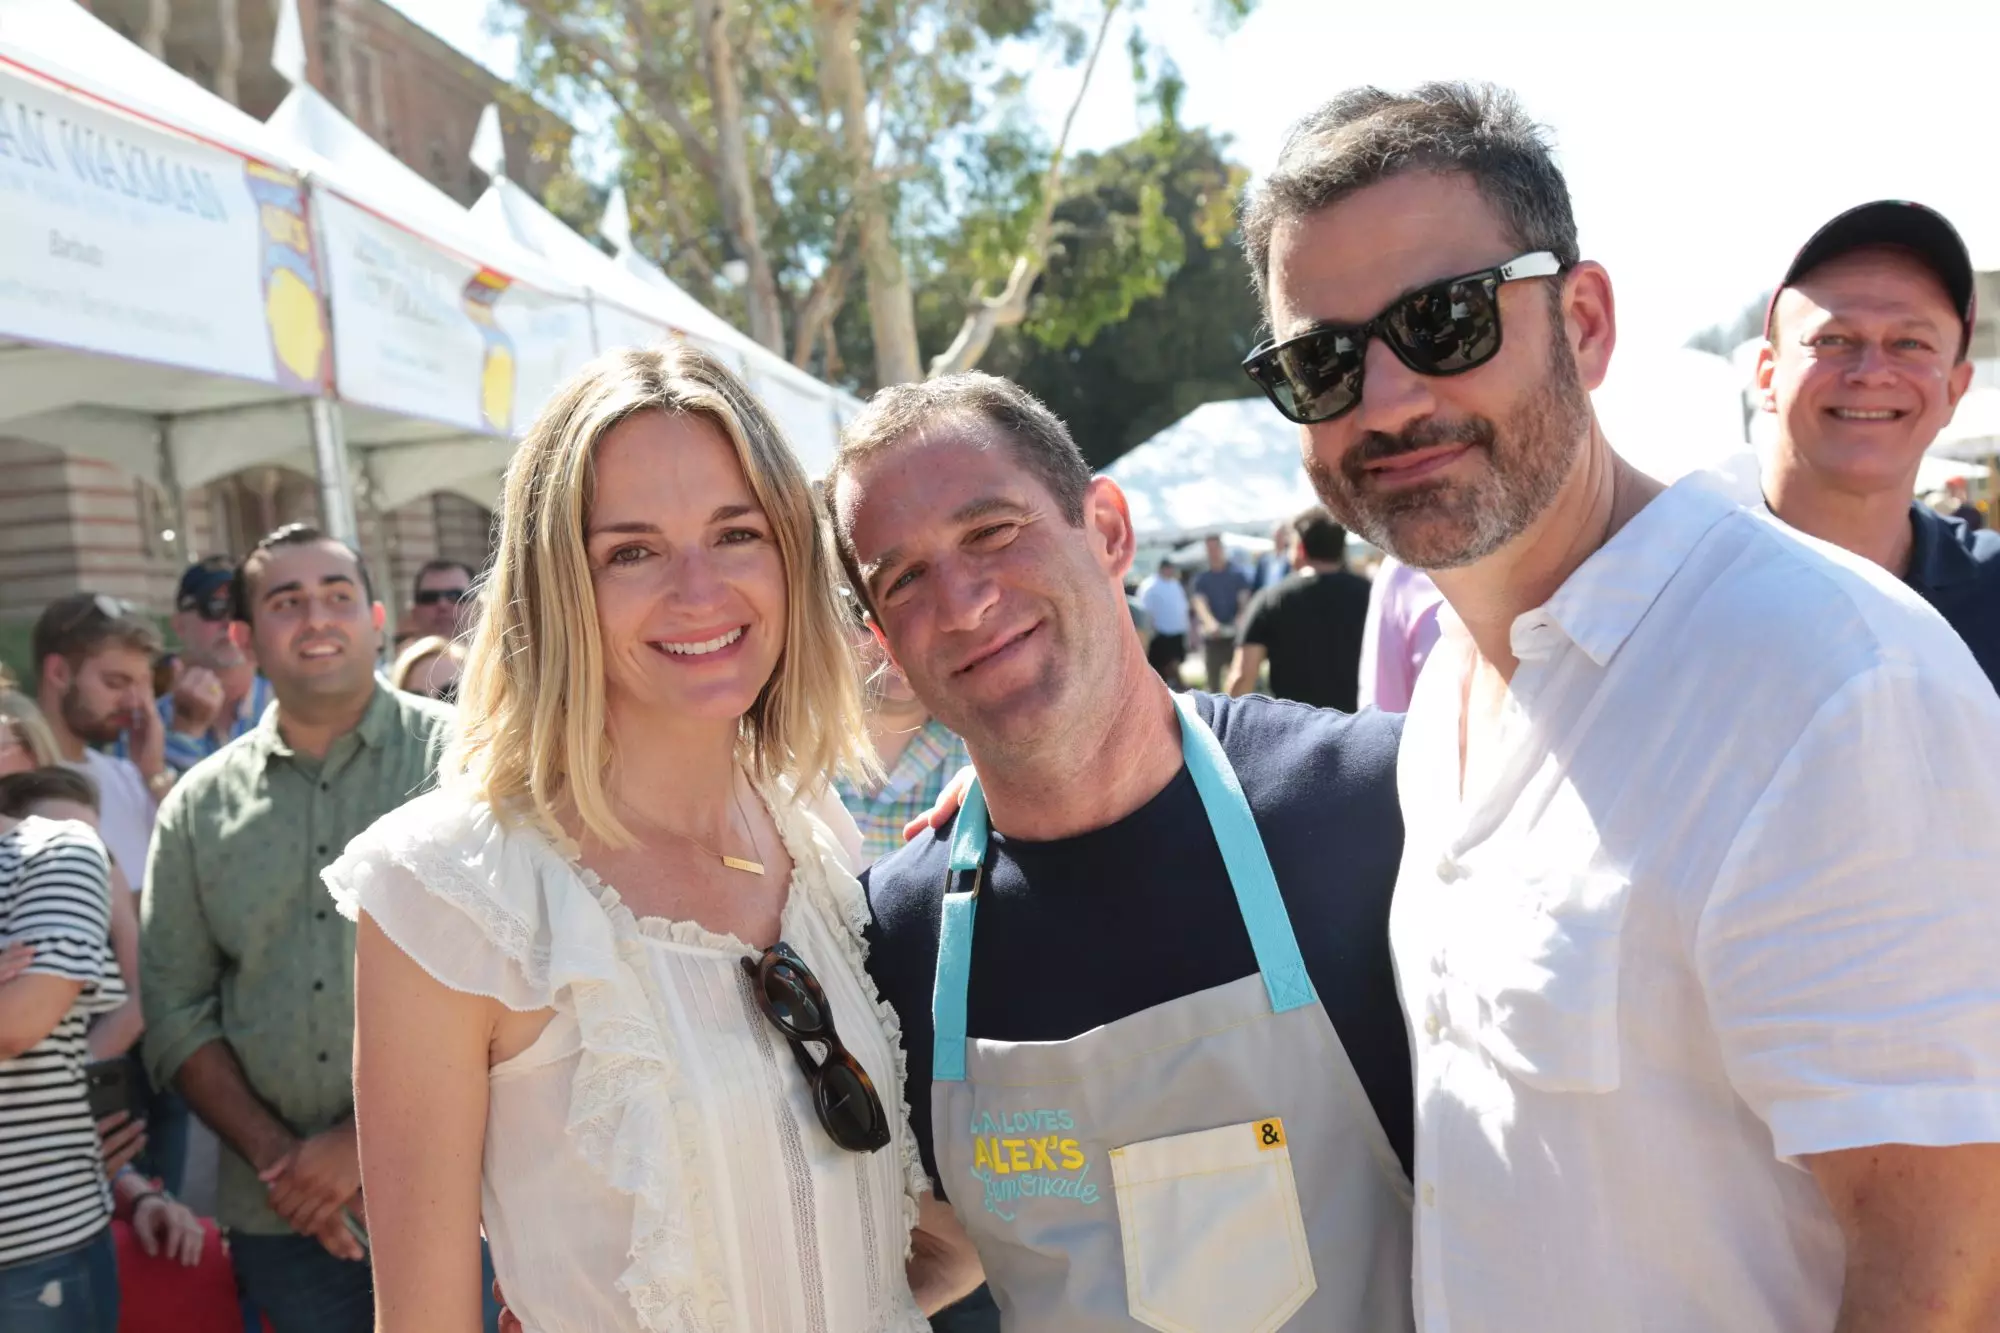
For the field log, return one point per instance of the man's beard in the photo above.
(1445, 524)
(88, 727)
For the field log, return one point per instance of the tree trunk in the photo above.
(892, 306)
(229, 61)
(991, 314)
(739, 201)
(159, 15)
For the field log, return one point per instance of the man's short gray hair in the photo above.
(1366, 136)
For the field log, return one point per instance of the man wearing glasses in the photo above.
(218, 694)
(1695, 924)
(442, 603)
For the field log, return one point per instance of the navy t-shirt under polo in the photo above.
(1084, 931)
(1957, 571)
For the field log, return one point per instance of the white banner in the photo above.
(420, 331)
(618, 327)
(122, 238)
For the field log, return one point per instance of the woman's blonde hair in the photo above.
(20, 715)
(415, 652)
(532, 718)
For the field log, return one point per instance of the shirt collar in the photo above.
(1940, 550)
(377, 722)
(1599, 605)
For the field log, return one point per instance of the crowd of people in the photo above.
(754, 902)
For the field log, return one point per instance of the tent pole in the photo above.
(336, 483)
(336, 492)
(170, 483)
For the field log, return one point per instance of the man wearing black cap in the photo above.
(218, 694)
(1864, 362)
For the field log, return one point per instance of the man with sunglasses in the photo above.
(1695, 921)
(442, 602)
(218, 695)
(1155, 1060)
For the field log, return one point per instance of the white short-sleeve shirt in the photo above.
(1726, 899)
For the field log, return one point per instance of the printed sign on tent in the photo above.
(422, 331)
(120, 238)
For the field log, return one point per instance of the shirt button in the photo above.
(322, 849)
(1430, 1191)
(322, 1060)
(320, 915)
(319, 985)
(326, 786)
(1432, 1027)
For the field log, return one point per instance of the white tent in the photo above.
(447, 338)
(159, 300)
(1236, 464)
(1974, 429)
(1231, 464)
(633, 303)
(1672, 411)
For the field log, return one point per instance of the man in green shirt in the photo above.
(247, 972)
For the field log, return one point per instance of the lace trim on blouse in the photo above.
(631, 1114)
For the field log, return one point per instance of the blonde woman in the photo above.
(610, 995)
(26, 743)
(431, 667)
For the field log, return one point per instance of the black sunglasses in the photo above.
(789, 994)
(214, 606)
(432, 596)
(1447, 328)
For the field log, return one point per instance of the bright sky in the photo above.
(1703, 143)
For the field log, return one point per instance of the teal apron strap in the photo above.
(1257, 896)
(954, 965)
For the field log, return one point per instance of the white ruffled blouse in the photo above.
(653, 1160)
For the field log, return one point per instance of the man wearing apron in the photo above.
(1156, 1064)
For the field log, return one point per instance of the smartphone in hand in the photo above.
(112, 1087)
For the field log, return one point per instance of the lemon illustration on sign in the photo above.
(292, 311)
(496, 387)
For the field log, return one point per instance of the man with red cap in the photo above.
(1864, 361)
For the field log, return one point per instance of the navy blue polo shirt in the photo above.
(1957, 571)
(1083, 931)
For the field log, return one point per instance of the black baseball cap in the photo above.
(1920, 230)
(205, 587)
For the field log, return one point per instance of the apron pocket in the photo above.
(1213, 1237)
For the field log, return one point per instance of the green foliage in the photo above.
(1172, 349)
(962, 158)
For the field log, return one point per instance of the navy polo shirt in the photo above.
(1083, 931)
(1957, 571)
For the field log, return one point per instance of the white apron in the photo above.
(1210, 1165)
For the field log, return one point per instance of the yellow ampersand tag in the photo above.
(1270, 1134)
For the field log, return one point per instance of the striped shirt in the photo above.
(54, 894)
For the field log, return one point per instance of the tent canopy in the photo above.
(144, 326)
(635, 303)
(1236, 464)
(1226, 465)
